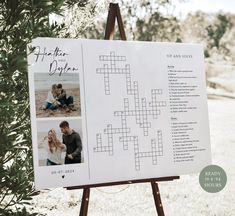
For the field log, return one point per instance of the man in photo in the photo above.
(62, 97)
(73, 143)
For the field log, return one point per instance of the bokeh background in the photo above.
(211, 23)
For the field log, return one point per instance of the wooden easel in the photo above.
(114, 12)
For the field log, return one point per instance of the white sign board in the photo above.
(109, 111)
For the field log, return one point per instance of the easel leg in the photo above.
(85, 202)
(157, 198)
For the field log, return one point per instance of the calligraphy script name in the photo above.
(41, 54)
(58, 63)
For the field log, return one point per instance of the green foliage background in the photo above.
(20, 22)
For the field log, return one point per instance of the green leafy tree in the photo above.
(194, 29)
(148, 22)
(20, 22)
(209, 29)
(216, 31)
(143, 20)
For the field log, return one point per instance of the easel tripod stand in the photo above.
(114, 13)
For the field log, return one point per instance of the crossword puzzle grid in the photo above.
(141, 112)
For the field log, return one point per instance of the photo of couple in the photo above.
(57, 96)
(55, 150)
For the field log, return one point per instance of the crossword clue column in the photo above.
(150, 109)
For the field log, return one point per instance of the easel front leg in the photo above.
(157, 198)
(85, 202)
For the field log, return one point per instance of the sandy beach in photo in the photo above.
(41, 95)
(70, 83)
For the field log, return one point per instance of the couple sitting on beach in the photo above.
(57, 98)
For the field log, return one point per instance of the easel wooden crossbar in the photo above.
(114, 13)
(154, 185)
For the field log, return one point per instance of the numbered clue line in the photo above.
(182, 88)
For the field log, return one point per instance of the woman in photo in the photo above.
(52, 100)
(56, 149)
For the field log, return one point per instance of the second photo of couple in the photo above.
(59, 145)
